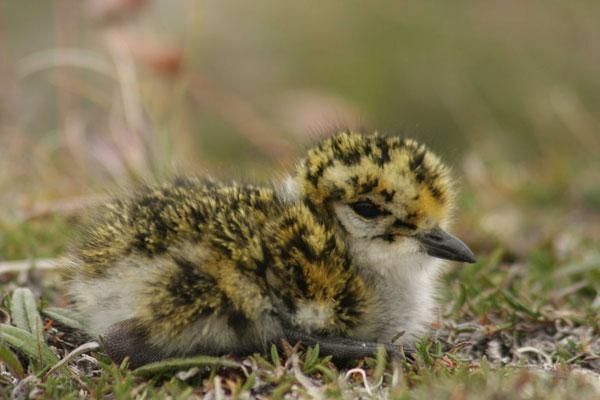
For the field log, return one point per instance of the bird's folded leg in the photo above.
(346, 348)
(128, 339)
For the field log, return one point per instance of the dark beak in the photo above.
(439, 243)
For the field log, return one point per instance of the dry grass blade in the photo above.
(84, 348)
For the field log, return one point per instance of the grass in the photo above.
(506, 93)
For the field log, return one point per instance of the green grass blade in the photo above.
(24, 312)
(176, 364)
(65, 316)
(25, 342)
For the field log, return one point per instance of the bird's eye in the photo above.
(367, 209)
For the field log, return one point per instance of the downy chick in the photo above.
(345, 254)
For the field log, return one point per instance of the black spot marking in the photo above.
(367, 187)
(311, 206)
(336, 194)
(156, 229)
(416, 165)
(417, 159)
(189, 284)
(419, 175)
(185, 265)
(198, 218)
(347, 264)
(385, 152)
(351, 157)
(388, 195)
(350, 304)
(299, 242)
(411, 216)
(403, 224)
(288, 222)
(245, 266)
(388, 237)
(288, 300)
(266, 262)
(221, 243)
(314, 177)
(348, 301)
(300, 279)
(140, 241)
(330, 246)
(435, 192)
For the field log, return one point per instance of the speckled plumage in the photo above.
(197, 266)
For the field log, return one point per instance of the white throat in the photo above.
(405, 280)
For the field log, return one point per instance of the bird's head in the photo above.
(381, 190)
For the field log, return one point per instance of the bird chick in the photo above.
(344, 253)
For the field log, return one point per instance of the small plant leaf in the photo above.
(25, 342)
(518, 305)
(275, 356)
(249, 384)
(11, 360)
(311, 359)
(284, 386)
(176, 364)
(65, 316)
(24, 312)
(327, 372)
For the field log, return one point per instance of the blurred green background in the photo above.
(99, 93)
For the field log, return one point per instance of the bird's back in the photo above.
(185, 210)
